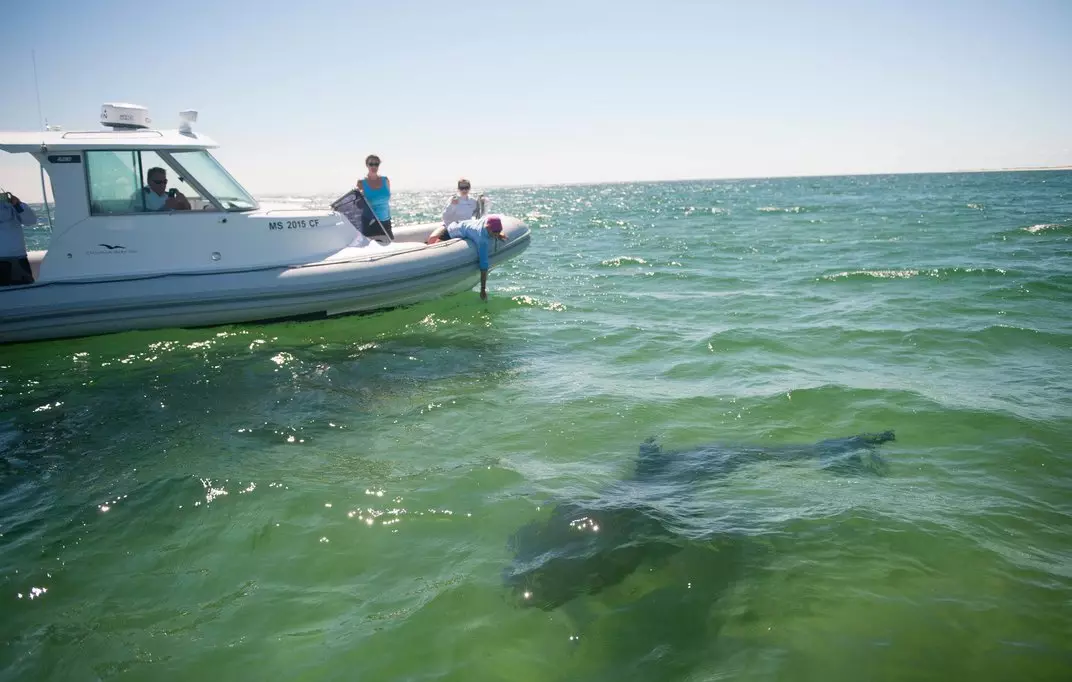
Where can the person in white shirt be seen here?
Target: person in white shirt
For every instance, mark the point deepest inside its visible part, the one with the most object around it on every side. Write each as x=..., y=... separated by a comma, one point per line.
x=463, y=207
x=14, y=215
x=156, y=196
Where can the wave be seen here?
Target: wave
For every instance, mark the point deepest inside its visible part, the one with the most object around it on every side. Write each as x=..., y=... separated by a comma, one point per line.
x=1049, y=227
x=1054, y=285
x=623, y=260
x=803, y=335
x=532, y=302
x=776, y=209
x=908, y=273
x=713, y=210
x=878, y=274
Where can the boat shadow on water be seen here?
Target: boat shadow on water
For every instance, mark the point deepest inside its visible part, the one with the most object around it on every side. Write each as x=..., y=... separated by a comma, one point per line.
x=112, y=400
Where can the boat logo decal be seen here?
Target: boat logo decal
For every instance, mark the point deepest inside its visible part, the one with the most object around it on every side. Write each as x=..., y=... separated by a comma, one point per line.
x=110, y=248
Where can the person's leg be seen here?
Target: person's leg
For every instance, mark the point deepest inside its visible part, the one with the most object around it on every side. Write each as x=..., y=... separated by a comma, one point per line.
x=26, y=276
x=368, y=225
x=15, y=271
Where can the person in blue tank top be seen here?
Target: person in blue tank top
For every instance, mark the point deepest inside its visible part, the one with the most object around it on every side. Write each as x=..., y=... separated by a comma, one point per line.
x=376, y=207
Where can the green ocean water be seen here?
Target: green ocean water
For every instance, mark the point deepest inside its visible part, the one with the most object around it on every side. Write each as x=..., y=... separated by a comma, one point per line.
x=333, y=500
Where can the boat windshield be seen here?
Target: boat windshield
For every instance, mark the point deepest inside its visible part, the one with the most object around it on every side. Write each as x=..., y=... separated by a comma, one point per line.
x=215, y=179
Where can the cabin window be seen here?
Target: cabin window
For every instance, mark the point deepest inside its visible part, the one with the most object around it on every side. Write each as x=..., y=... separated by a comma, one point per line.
x=113, y=179
x=216, y=181
x=175, y=182
x=119, y=182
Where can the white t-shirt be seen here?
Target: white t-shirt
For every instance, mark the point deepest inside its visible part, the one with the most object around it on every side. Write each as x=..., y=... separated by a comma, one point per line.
x=459, y=209
x=153, y=201
x=12, y=239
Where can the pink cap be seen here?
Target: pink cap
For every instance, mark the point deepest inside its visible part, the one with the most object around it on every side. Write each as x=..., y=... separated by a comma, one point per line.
x=494, y=223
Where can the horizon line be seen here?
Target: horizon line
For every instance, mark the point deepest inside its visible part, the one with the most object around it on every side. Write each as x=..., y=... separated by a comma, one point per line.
x=586, y=183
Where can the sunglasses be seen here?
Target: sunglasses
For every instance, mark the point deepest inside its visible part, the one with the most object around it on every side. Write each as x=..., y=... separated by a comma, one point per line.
x=463, y=187
x=373, y=165
x=159, y=182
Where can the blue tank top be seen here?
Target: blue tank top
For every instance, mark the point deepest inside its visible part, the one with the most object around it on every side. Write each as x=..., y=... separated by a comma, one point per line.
x=379, y=200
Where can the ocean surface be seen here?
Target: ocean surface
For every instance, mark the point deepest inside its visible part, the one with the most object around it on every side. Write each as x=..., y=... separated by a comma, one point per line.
x=335, y=500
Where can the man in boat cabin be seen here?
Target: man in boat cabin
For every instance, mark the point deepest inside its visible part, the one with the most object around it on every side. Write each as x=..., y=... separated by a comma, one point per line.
x=480, y=231
x=156, y=194
x=14, y=215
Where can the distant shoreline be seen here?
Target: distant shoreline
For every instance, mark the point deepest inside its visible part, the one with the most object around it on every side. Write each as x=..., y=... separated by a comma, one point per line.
x=1020, y=168
x=745, y=177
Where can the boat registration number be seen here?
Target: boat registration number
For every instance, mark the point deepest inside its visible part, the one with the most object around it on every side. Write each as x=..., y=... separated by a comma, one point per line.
x=293, y=224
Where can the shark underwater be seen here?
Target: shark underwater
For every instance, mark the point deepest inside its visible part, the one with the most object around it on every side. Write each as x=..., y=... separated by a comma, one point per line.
x=588, y=545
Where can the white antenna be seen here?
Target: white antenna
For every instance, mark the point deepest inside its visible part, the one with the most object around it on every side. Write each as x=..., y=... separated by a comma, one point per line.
x=41, y=122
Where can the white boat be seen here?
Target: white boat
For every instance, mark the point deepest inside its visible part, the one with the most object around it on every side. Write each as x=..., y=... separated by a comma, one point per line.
x=113, y=266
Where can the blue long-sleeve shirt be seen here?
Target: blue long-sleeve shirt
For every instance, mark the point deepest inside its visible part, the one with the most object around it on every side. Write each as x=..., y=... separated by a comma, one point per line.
x=473, y=230
x=12, y=220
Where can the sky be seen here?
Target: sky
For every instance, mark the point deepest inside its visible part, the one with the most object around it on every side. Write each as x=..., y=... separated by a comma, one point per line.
x=511, y=93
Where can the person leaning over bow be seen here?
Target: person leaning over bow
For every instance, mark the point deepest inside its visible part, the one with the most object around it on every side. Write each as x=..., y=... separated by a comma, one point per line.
x=462, y=206
x=479, y=231
x=376, y=207
x=14, y=215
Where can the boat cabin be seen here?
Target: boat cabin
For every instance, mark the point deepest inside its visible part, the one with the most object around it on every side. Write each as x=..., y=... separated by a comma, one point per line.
x=112, y=215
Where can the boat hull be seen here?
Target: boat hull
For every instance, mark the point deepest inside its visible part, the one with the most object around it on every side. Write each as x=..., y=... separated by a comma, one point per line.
x=352, y=281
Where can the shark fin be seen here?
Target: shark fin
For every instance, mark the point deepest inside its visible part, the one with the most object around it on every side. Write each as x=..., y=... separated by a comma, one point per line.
x=649, y=458
x=877, y=438
x=649, y=447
